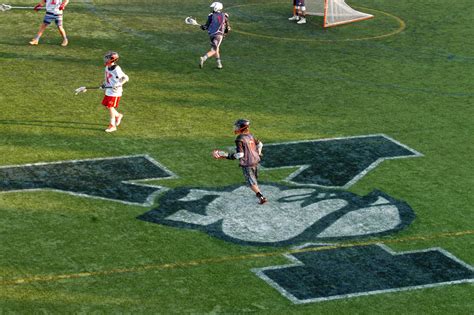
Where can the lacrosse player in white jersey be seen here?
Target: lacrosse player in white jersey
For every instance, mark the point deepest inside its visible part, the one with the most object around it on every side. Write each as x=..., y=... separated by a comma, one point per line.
x=114, y=79
x=54, y=12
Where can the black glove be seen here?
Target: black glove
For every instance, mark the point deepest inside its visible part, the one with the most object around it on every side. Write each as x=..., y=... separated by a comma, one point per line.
x=203, y=27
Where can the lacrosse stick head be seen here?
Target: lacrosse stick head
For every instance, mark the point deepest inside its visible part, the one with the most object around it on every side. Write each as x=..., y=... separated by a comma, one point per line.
x=218, y=154
x=5, y=7
x=190, y=21
x=82, y=89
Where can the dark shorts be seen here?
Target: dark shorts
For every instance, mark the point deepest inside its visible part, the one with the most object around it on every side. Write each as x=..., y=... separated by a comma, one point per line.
x=298, y=3
x=216, y=41
x=250, y=174
x=50, y=17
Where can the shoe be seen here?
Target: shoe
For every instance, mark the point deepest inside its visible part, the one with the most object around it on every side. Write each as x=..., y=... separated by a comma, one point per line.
x=118, y=120
x=34, y=42
x=111, y=128
x=262, y=200
x=219, y=65
x=301, y=21
x=294, y=18
x=65, y=42
x=201, y=62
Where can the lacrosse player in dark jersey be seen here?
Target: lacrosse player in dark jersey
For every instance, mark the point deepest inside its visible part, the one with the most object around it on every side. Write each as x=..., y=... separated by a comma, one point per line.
x=248, y=152
x=217, y=26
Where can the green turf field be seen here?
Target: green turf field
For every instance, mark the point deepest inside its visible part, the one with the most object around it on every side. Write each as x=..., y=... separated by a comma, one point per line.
x=406, y=74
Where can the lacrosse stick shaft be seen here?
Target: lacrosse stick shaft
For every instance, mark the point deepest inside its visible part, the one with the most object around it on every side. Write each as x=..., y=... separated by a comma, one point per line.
x=7, y=7
x=98, y=87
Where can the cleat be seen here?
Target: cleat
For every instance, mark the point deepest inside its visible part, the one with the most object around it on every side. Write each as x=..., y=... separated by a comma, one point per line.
x=111, y=128
x=65, y=42
x=118, y=120
x=219, y=65
x=301, y=21
x=294, y=18
x=262, y=200
x=34, y=42
x=201, y=62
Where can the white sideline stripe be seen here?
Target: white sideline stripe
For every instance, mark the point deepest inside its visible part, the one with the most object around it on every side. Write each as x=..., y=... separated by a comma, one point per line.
x=148, y=202
x=295, y=262
x=303, y=167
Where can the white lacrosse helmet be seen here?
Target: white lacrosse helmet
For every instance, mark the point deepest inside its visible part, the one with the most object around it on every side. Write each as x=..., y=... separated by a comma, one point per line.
x=217, y=6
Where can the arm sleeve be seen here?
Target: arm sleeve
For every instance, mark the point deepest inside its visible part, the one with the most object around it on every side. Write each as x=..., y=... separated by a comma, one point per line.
x=209, y=20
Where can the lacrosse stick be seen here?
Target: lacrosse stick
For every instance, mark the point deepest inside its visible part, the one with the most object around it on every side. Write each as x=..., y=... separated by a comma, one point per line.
x=83, y=89
x=7, y=7
x=190, y=21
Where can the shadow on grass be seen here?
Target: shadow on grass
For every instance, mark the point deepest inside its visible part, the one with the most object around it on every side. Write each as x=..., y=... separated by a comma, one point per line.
x=52, y=124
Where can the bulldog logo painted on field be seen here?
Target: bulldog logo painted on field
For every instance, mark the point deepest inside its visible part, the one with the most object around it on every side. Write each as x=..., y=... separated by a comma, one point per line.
x=294, y=214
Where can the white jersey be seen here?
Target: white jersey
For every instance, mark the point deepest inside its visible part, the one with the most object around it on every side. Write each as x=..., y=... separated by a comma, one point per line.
x=53, y=6
x=115, y=77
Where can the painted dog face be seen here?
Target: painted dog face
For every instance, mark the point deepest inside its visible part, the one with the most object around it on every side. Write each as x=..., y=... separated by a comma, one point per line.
x=292, y=215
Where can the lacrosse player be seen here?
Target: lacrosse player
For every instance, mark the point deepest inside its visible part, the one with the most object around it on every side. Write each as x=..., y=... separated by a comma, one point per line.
x=217, y=26
x=248, y=152
x=299, y=12
x=114, y=79
x=54, y=12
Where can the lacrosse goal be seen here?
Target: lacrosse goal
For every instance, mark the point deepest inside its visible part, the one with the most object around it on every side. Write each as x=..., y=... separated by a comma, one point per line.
x=335, y=12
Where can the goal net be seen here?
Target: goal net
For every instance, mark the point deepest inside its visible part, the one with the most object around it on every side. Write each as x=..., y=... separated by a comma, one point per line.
x=335, y=12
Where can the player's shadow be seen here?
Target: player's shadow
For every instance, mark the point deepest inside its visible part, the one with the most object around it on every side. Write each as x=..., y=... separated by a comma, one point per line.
x=52, y=124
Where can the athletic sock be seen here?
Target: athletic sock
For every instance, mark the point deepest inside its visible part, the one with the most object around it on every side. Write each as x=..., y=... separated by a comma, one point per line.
x=205, y=57
x=259, y=195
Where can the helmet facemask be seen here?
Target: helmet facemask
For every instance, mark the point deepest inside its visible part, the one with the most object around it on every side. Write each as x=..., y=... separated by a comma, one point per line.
x=241, y=126
x=110, y=58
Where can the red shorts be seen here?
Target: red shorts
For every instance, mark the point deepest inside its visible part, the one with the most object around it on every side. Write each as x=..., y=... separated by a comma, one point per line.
x=111, y=101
